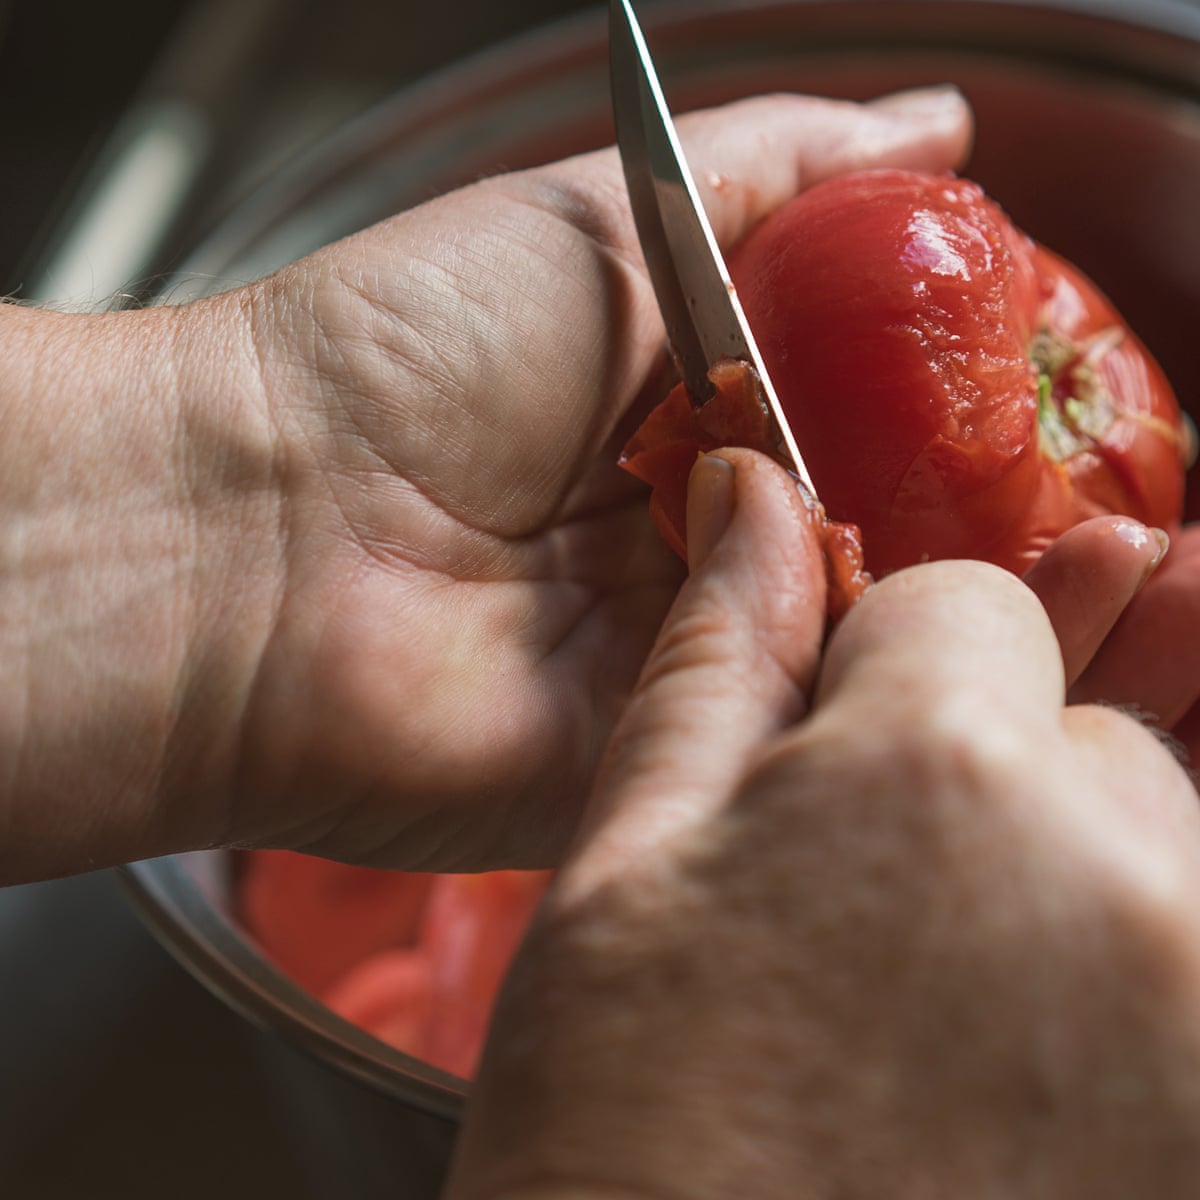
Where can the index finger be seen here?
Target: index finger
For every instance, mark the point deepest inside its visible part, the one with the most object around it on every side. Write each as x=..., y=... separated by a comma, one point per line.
x=946, y=635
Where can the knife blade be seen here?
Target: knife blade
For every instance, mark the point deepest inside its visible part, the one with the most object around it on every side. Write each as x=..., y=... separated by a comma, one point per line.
x=699, y=304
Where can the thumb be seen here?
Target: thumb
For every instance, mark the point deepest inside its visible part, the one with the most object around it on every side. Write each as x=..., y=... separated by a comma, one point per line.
x=735, y=660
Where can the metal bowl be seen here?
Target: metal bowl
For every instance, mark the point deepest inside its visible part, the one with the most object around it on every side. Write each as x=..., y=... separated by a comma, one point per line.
x=1088, y=117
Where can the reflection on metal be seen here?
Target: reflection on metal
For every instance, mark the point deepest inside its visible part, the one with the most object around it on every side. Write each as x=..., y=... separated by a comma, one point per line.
x=141, y=182
x=151, y=167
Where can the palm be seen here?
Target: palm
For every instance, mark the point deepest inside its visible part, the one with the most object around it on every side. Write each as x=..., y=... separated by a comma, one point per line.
x=483, y=694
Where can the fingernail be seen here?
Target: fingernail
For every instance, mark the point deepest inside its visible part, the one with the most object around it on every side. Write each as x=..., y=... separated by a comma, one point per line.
x=923, y=103
x=1164, y=544
x=709, y=507
x=1138, y=535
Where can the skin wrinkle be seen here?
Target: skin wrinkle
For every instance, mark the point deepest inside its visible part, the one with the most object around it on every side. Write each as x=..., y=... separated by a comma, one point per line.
x=469, y=300
x=420, y=482
x=189, y=602
x=604, y=256
x=420, y=485
x=230, y=462
x=418, y=345
x=259, y=323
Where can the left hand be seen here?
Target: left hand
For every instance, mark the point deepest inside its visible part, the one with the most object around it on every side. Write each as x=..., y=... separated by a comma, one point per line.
x=341, y=560
x=473, y=584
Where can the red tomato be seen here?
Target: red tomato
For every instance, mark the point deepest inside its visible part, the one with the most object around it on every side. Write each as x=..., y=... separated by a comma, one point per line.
x=956, y=389
x=389, y=995
x=416, y=960
x=315, y=918
x=471, y=930
x=665, y=447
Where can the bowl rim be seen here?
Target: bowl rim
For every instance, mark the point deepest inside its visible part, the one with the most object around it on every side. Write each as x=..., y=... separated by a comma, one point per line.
x=581, y=36
x=166, y=897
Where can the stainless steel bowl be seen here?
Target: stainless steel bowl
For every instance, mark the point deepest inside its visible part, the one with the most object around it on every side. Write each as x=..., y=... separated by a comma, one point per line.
x=1088, y=133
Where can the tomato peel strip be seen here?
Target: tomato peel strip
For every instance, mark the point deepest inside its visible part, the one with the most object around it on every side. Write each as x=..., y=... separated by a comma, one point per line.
x=664, y=449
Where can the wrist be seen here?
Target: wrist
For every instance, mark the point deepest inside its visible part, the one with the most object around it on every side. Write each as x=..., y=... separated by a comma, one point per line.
x=139, y=501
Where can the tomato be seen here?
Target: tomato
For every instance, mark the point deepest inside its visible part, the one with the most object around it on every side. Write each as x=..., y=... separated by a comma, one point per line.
x=471, y=930
x=316, y=919
x=416, y=960
x=665, y=447
x=390, y=995
x=956, y=389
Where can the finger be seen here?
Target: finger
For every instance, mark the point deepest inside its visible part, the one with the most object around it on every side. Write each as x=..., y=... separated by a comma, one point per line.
x=790, y=143
x=1087, y=577
x=734, y=662
x=1152, y=658
x=752, y=156
x=955, y=641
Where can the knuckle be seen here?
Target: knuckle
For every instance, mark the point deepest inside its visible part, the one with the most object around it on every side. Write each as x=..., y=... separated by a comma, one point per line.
x=967, y=740
x=933, y=785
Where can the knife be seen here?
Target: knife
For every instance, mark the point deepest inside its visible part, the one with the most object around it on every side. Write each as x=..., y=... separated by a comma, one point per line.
x=699, y=304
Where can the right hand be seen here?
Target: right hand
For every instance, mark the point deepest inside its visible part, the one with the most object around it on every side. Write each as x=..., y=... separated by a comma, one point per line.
x=912, y=929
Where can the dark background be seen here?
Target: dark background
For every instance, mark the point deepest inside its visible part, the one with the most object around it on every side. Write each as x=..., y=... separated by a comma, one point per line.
x=67, y=70
x=272, y=74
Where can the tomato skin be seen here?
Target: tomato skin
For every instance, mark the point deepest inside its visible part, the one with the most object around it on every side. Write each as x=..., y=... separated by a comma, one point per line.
x=664, y=449
x=900, y=316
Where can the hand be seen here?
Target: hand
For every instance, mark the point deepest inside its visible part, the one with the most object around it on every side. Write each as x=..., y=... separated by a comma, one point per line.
x=362, y=576
x=895, y=922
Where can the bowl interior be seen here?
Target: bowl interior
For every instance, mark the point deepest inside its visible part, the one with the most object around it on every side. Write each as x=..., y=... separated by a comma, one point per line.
x=1088, y=132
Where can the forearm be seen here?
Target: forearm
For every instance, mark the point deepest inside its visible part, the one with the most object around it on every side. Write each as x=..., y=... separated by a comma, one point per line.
x=139, y=539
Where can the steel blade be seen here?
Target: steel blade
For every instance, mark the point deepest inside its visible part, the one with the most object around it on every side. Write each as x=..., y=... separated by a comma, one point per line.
x=699, y=304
